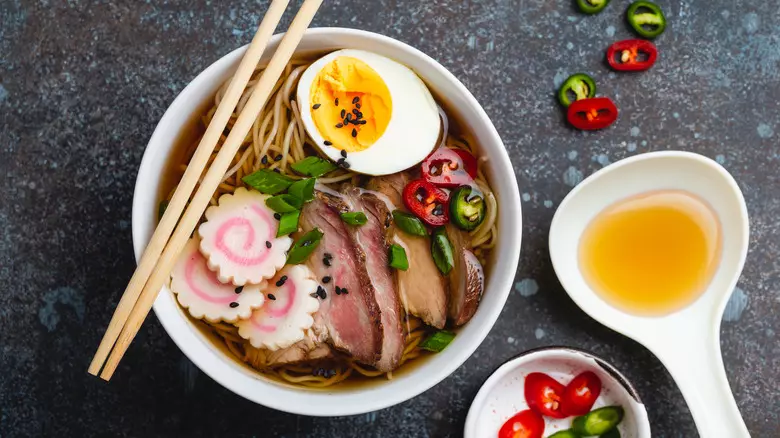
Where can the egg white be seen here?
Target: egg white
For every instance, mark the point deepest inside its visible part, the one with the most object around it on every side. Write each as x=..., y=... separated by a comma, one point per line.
x=414, y=126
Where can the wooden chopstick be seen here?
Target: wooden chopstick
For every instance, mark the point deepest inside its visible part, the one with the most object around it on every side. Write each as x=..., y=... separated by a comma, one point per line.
x=211, y=181
x=189, y=180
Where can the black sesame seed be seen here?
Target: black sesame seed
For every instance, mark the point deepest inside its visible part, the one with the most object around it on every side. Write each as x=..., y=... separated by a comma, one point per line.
x=356, y=100
x=359, y=115
x=339, y=125
x=239, y=289
x=328, y=255
x=267, y=244
x=277, y=171
x=348, y=118
x=271, y=297
x=314, y=295
x=306, y=243
x=327, y=143
x=337, y=101
x=321, y=292
x=264, y=160
x=363, y=122
x=357, y=106
x=338, y=290
x=233, y=305
x=316, y=105
x=344, y=153
x=326, y=279
x=340, y=161
x=354, y=132
x=278, y=158
x=345, y=165
x=355, y=112
x=279, y=283
x=343, y=113
x=277, y=216
x=283, y=278
x=326, y=262
x=344, y=290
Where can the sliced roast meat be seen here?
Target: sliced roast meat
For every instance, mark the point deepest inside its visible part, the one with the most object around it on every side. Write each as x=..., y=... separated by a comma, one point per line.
x=349, y=321
x=467, y=278
x=422, y=288
x=309, y=349
x=370, y=240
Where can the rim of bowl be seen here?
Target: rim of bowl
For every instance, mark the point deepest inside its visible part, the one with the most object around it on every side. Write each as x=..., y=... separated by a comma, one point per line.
x=610, y=369
x=232, y=375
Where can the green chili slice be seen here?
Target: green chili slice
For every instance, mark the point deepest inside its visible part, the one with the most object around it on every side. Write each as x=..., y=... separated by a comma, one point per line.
x=288, y=223
x=441, y=250
x=467, y=211
x=592, y=6
x=437, y=341
x=409, y=223
x=354, y=218
x=568, y=433
x=598, y=421
x=614, y=433
x=304, y=246
x=398, y=258
x=580, y=85
x=646, y=18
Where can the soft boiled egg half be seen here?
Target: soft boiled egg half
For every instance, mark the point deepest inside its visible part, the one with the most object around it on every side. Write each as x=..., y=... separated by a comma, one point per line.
x=371, y=107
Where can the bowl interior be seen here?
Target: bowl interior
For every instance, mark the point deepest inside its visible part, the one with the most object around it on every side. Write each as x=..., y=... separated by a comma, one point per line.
x=501, y=396
x=351, y=399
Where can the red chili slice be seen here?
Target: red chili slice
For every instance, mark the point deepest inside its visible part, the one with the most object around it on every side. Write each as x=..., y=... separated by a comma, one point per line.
x=592, y=114
x=447, y=167
x=632, y=55
x=427, y=202
x=581, y=393
x=543, y=395
x=525, y=424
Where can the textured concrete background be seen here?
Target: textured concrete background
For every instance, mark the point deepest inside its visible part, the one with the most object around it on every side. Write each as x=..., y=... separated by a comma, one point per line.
x=82, y=85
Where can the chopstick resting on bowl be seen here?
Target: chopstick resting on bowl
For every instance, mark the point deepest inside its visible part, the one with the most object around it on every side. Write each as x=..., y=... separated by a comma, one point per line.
x=163, y=250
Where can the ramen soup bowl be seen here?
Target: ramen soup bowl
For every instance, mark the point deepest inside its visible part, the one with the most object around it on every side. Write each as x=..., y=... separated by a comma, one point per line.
x=687, y=341
x=411, y=379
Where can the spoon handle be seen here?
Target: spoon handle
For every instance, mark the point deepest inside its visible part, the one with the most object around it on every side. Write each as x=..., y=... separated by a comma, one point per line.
x=696, y=365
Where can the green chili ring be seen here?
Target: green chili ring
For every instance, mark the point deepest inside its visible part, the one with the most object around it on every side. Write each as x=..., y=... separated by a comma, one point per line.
x=655, y=19
x=582, y=85
x=591, y=7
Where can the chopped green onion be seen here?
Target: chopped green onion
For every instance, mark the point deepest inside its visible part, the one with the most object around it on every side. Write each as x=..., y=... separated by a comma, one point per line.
x=288, y=223
x=409, y=223
x=303, y=189
x=304, y=246
x=441, y=249
x=398, y=258
x=354, y=218
x=313, y=166
x=283, y=203
x=267, y=181
x=161, y=209
x=437, y=341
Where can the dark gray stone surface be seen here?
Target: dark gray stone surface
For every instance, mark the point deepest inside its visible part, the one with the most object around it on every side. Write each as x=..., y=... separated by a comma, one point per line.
x=82, y=85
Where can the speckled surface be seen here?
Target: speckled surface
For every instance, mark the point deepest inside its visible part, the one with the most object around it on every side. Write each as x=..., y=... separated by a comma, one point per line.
x=82, y=85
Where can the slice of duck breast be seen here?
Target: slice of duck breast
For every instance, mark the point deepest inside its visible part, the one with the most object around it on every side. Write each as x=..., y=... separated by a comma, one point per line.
x=371, y=241
x=310, y=349
x=422, y=288
x=350, y=321
x=467, y=278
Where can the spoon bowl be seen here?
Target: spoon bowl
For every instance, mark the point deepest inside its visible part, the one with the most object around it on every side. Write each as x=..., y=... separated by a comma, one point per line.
x=687, y=341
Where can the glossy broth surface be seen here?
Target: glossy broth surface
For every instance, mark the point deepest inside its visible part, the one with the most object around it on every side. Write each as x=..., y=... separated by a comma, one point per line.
x=652, y=254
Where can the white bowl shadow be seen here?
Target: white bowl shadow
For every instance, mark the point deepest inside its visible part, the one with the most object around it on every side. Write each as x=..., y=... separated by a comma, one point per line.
x=354, y=399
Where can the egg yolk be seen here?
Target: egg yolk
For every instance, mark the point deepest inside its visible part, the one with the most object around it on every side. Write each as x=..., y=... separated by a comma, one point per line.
x=351, y=105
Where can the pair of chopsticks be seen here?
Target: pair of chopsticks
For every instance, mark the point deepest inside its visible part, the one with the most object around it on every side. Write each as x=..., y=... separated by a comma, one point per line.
x=166, y=243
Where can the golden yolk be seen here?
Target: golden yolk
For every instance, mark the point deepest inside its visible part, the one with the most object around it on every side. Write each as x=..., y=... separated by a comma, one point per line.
x=348, y=88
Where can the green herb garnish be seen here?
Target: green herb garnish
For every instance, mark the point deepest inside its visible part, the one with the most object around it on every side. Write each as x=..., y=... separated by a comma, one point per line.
x=304, y=246
x=441, y=250
x=409, y=223
x=288, y=223
x=354, y=218
x=398, y=258
x=284, y=203
x=303, y=189
x=267, y=181
x=437, y=341
x=313, y=166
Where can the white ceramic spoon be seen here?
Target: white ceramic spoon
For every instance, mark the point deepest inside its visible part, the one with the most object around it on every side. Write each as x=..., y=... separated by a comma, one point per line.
x=688, y=341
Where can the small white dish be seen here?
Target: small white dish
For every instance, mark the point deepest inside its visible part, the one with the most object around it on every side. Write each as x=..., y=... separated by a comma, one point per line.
x=350, y=399
x=501, y=396
x=687, y=341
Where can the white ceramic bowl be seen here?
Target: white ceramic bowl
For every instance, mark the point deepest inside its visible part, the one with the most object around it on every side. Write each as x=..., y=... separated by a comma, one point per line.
x=354, y=399
x=501, y=396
